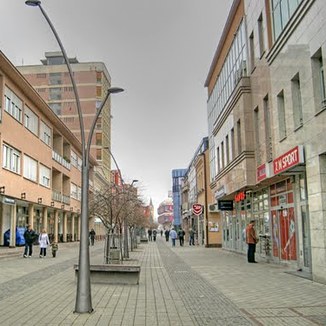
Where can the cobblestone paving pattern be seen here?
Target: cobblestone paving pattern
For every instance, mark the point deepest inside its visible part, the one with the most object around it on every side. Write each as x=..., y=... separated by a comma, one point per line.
x=18, y=285
x=203, y=302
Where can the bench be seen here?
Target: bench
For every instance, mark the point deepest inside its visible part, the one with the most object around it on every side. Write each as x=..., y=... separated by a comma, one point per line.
x=113, y=274
x=144, y=240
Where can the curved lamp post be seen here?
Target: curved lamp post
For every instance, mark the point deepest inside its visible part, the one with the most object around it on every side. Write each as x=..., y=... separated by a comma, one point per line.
x=83, y=296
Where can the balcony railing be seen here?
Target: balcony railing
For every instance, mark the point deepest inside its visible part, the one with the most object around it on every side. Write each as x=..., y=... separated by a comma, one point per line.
x=58, y=158
x=57, y=196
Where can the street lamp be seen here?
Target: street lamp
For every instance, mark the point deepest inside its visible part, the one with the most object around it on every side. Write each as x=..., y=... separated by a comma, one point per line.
x=83, y=296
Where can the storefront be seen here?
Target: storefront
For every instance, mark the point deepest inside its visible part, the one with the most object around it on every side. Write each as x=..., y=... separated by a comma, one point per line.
x=279, y=207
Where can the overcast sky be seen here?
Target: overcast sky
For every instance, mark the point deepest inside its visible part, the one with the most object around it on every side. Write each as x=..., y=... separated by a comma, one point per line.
x=159, y=51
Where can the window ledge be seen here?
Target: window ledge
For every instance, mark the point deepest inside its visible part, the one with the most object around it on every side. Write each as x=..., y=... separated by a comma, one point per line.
x=320, y=111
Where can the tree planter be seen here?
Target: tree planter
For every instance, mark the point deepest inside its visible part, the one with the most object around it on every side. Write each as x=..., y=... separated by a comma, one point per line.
x=113, y=274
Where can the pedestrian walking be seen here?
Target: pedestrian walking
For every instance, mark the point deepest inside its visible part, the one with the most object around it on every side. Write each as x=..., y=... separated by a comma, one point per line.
x=154, y=235
x=191, y=237
x=251, y=239
x=167, y=234
x=149, y=232
x=44, y=241
x=173, y=236
x=92, y=236
x=181, y=235
x=55, y=248
x=29, y=236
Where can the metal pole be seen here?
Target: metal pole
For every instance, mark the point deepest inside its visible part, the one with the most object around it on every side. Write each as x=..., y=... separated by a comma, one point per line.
x=83, y=295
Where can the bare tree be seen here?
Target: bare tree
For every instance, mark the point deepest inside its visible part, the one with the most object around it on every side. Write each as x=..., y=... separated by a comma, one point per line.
x=114, y=206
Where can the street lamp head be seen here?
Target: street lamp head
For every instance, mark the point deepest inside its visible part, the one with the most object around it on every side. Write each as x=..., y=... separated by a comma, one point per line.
x=113, y=90
x=134, y=181
x=33, y=3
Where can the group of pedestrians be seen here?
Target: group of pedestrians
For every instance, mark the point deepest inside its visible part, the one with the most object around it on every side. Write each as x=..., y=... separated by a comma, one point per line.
x=174, y=235
x=152, y=234
x=32, y=237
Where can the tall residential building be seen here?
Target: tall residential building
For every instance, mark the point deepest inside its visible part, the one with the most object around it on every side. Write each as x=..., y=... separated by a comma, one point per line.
x=266, y=115
x=177, y=177
x=51, y=80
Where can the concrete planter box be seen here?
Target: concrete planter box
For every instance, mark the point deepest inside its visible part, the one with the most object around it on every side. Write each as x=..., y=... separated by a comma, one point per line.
x=113, y=274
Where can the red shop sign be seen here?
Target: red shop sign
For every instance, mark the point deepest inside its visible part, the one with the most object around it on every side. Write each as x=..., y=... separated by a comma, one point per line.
x=289, y=159
x=240, y=196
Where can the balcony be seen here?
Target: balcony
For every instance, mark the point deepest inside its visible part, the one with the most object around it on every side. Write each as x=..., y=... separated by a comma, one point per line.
x=58, y=158
x=57, y=196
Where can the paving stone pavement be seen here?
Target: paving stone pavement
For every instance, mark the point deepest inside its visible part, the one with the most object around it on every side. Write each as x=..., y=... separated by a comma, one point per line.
x=178, y=286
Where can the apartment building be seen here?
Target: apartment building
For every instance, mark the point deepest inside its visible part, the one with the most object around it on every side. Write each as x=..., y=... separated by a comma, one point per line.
x=52, y=81
x=40, y=178
x=266, y=115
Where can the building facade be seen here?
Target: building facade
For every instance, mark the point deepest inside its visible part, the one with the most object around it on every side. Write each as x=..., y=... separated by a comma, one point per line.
x=177, y=177
x=40, y=164
x=266, y=115
x=52, y=81
x=195, y=190
x=165, y=213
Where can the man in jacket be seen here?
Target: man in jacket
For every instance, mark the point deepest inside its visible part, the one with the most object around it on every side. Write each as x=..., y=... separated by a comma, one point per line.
x=251, y=239
x=29, y=236
x=173, y=236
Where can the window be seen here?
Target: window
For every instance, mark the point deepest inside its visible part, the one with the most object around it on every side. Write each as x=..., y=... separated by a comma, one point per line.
x=45, y=133
x=73, y=191
x=73, y=158
x=55, y=93
x=261, y=35
x=296, y=101
x=44, y=176
x=98, y=91
x=239, y=137
x=30, y=120
x=252, y=51
x=30, y=168
x=256, y=126
x=56, y=108
x=318, y=80
x=98, y=139
x=227, y=149
x=98, y=76
x=55, y=78
x=13, y=104
x=11, y=159
x=268, y=131
x=282, y=11
x=281, y=116
x=79, y=163
x=218, y=160
x=99, y=154
x=222, y=156
x=232, y=144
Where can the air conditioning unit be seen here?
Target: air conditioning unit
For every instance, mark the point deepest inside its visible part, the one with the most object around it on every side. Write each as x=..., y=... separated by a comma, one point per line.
x=213, y=208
